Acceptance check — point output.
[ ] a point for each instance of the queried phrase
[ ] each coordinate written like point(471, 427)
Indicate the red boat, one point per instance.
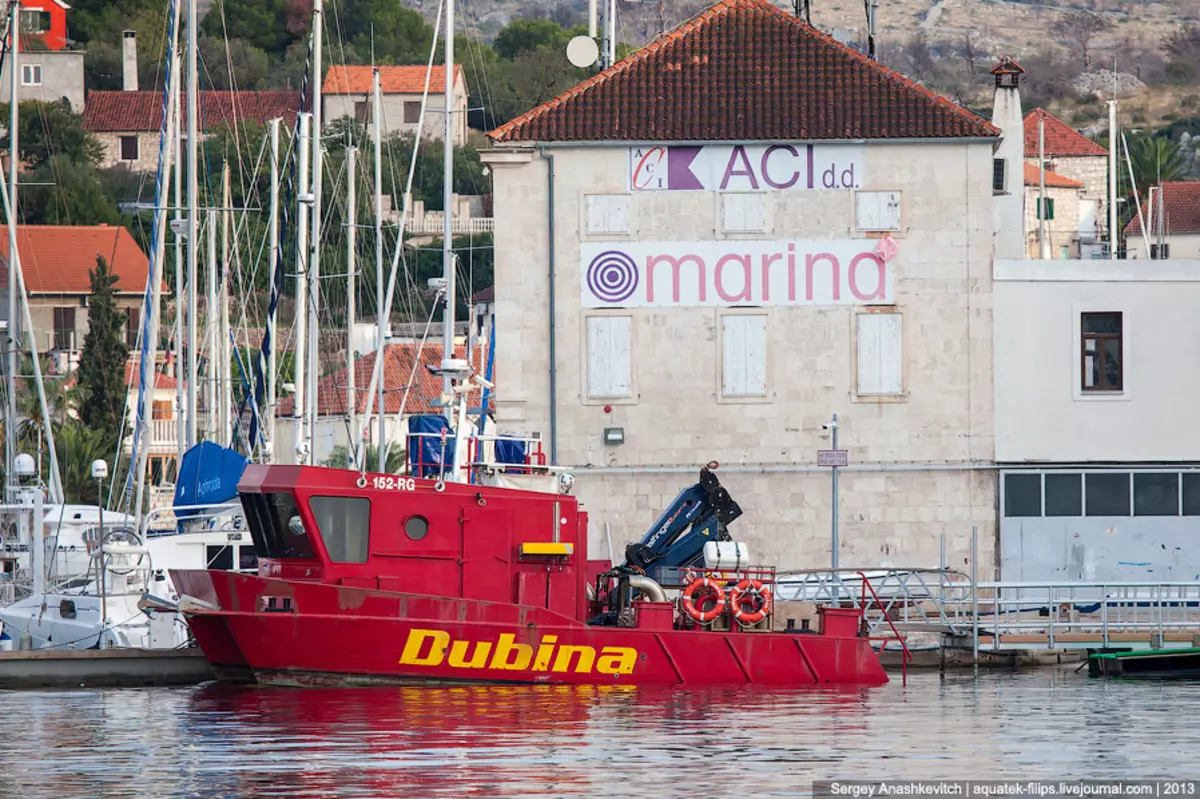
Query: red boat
point(371, 578)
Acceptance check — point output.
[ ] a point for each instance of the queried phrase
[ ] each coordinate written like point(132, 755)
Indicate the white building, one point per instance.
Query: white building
point(1095, 419)
point(1180, 223)
point(697, 262)
point(347, 93)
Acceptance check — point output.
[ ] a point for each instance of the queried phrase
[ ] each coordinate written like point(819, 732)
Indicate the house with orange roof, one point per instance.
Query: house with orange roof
point(1076, 157)
point(55, 263)
point(1180, 224)
point(347, 92)
point(162, 442)
point(708, 249)
point(1062, 211)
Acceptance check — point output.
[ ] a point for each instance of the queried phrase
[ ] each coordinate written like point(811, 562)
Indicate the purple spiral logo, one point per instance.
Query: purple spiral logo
point(612, 276)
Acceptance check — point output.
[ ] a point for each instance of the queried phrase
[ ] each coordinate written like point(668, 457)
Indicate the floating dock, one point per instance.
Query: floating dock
point(1152, 664)
point(124, 668)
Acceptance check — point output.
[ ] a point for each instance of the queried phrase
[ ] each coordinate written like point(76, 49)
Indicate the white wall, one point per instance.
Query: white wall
point(1041, 412)
point(934, 437)
point(1180, 246)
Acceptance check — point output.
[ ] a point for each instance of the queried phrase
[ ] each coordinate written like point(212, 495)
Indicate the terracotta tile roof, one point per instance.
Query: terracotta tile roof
point(55, 259)
point(133, 374)
point(351, 79)
point(397, 372)
point(1053, 179)
point(745, 71)
point(1181, 208)
point(116, 112)
point(1061, 138)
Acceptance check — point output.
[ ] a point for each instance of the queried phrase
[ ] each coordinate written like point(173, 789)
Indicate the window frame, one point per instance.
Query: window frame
point(1000, 172)
point(1085, 337)
point(65, 331)
point(768, 394)
point(410, 105)
point(137, 148)
point(894, 310)
point(315, 513)
point(745, 232)
point(585, 389)
point(585, 230)
point(36, 75)
point(894, 231)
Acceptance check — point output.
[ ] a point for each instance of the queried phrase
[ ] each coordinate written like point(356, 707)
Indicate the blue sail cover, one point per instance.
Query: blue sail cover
point(208, 475)
point(425, 444)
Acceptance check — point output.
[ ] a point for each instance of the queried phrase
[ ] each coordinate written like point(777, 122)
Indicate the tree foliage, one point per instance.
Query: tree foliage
point(102, 362)
point(1081, 27)
point(50, 129)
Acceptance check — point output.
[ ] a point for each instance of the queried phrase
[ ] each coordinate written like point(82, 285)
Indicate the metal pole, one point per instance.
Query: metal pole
point(381, 320)
point(212, 420)
point(351, 288)
point(38, 542)
point(975, 598)
point(299, 353)
point(1043, 242)
point(225, 394)
point(314, 261)
point(180, 308)
point(834, 543)
point(100, 568)
point(274, 225)
point(193, 223)
point(10, 416)
point(1113, 236)
point(448, 269)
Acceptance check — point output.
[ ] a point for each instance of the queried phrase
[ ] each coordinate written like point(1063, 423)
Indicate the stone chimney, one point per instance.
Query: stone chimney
point(129, 61)
point(1008, 161)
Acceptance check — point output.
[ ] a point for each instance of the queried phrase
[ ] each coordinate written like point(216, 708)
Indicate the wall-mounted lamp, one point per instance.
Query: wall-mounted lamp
point(614, 436)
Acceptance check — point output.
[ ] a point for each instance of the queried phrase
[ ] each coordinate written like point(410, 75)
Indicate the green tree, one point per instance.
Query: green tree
point(339, 458)
point(102, 362)
point(67, 192)
point(1156, 159)
point(77, 446)
point(50, 129)
point(523, 35)
point(235, 64)
point(263, 24)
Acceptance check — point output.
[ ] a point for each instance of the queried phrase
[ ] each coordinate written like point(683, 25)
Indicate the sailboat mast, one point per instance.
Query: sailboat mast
point(212, 423)
point(314, 261)
point(193, 220)
point(351, 288)
point(225, 391)
point(381, 315)
point(299, 350)
point(14, 160)
point(180, 308)
point(269, 411)
point(448, 217)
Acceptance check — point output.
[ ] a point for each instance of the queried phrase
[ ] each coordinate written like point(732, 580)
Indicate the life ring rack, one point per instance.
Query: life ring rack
point(710, 588)
point(750, 590)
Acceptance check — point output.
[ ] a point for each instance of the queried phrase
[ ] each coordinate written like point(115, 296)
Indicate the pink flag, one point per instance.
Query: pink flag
point(886, 248)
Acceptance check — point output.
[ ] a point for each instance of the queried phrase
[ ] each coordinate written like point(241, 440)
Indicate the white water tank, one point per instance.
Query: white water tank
point(726, 555)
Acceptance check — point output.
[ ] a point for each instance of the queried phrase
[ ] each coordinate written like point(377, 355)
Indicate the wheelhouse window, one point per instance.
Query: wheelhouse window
point(1101, 352)
point(219, 556)
point(276, 526)
point(344, 524)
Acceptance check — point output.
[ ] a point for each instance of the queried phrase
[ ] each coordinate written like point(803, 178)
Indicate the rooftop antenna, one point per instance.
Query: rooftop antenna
point(582, 51)
point(869, 5)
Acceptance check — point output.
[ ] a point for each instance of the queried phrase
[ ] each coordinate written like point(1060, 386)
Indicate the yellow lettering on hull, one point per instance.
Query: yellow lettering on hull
point(433, 647)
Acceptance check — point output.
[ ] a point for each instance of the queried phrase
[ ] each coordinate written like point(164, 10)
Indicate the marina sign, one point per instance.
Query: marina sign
point(745, 167)
point(724, 273)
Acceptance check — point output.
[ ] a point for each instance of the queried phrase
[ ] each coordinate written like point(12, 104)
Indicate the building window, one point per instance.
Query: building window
point(999, 176)
point(129, 148)
point(31, 74)
point(1022, 495)
point(878, 210)
point(163, 410)
point(743, 213)
point(880, 354)
point(1155, 494)
point(607, 213)
point(362, 112)
point(35, 21)
point(1191, 493)
point(344, 524)
point(609, 373)
point(1158, 253)
point(1064, 495)
point(1049, 201)
point(412, 113)
point(743, 355)
point(132, 327)
point(1107, 493)
point(1101, 356)
point(64, 329)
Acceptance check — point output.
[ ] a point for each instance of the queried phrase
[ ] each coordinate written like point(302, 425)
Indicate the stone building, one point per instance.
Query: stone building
point(1062, 213)
point(1071, 154)
point(127, 123)
point(347, 93)
point(1180, 223)
point(710, 248)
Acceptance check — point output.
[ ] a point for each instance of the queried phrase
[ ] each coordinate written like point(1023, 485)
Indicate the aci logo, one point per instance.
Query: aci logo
point(612, 276)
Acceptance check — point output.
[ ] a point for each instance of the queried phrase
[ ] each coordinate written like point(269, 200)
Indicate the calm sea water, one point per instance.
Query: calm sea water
point(218, 741)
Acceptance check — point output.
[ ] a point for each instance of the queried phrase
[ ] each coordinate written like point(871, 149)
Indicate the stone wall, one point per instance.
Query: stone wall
point(148, 145)
point(1062, 230)
point(1092, 172)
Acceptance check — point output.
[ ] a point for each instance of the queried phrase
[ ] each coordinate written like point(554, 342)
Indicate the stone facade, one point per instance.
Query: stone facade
point(921, 460)
point(1062, 231)
point(147, 150)
point(1092, 172)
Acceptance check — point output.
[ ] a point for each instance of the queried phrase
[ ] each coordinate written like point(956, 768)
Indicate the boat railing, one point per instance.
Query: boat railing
point(485, 453)
point(905, 655)
point(194, 518)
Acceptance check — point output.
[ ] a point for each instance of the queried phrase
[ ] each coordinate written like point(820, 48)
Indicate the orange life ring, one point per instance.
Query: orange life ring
point(750, 591)
point(714, 591)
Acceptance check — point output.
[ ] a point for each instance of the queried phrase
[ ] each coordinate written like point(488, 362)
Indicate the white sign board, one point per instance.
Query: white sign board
point(833, 457)
point(677, 274)
point(746, 167)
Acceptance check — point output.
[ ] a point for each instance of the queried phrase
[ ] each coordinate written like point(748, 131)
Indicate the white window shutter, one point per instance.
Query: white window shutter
point(607, 213)
point(609, 370)
point(742, 212)
point(878, 210)
point(879, 354)
point(744, 355)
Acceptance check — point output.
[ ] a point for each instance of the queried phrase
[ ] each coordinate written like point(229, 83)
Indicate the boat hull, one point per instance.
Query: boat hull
point(352, 636)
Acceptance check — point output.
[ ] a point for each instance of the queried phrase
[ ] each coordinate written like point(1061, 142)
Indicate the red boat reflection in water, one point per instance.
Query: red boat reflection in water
point(369, 579)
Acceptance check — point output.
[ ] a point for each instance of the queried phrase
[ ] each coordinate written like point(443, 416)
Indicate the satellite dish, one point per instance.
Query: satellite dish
point(582, 52)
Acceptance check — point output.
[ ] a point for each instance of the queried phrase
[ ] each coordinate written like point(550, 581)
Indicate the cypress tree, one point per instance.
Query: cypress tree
point(102, 362)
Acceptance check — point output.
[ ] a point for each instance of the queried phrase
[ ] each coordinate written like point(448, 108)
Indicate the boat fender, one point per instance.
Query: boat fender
point(753, 593)
point(713, 590)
